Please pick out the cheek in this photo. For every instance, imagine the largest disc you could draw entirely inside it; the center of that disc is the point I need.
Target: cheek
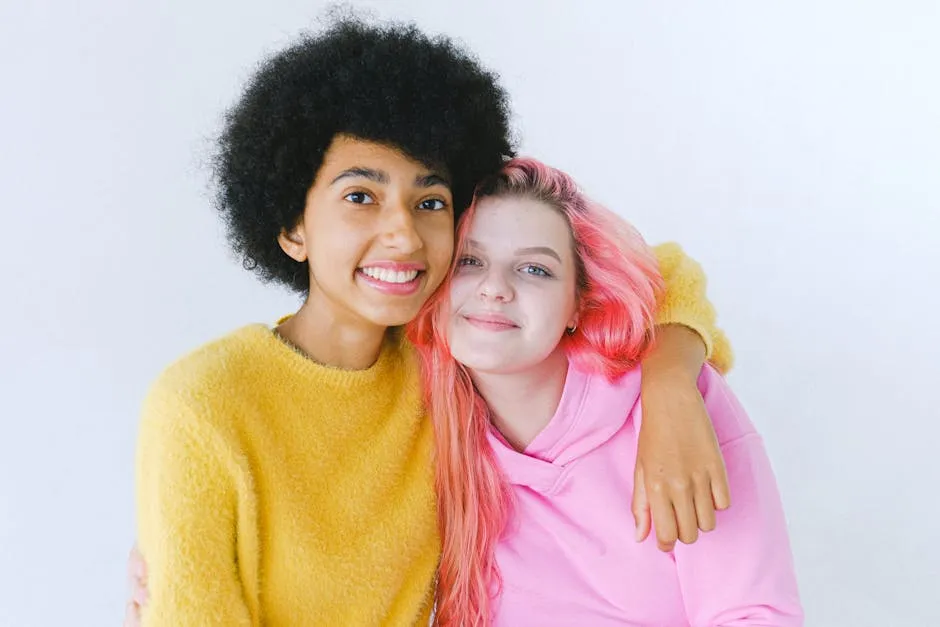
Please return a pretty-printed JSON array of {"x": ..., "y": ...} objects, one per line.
[
  {"x": 333, "y": 241},
  {"x": 439, "y": 251},
  {"x": 437, "y": 234},
  {"x": 332, "y": 260},
  {"x": 461, "y": 289},
  {"x": 550, "y": 309}
]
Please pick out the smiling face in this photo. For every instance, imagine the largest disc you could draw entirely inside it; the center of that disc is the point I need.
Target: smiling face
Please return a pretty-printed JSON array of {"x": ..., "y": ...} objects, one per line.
[
  {"x": 378, "y": 232},
  {"x": 514, "y": 289}
]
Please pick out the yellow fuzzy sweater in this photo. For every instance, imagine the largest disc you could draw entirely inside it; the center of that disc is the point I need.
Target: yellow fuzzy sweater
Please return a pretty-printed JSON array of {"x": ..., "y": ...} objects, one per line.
[{"x": 272, "y": 490}]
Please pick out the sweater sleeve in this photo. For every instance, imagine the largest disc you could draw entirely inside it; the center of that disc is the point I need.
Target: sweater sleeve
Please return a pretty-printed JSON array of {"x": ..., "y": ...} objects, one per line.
[
  {"x": 685, "y": 302},
  {"x": 741, "y": 574},
  {"x": 186, "y": 509}
]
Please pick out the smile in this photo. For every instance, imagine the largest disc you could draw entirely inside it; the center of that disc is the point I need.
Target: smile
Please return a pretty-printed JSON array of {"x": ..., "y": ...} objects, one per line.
[
  {"x": 392, "y": 279},
  {"x": 490, "y": 322},
  {"x": 387, "y": 275}
]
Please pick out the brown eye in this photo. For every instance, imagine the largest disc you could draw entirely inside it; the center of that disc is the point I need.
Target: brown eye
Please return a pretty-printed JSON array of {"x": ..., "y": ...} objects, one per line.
[
  {"x": 359, "y": 198},
  {"x": 432, "y": 204},
  {"x": 467, "y": 260}
]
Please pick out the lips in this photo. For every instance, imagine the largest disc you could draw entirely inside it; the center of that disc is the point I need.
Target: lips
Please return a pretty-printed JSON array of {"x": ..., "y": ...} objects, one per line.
[
  {"x": 491, "y": 321},
  {"x": 392, "y": 278}
]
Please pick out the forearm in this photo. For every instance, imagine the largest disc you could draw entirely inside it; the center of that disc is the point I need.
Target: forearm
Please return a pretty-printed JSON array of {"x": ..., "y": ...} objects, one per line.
[
  {"x": 679, "y": 471},
  {"x": 678, "y": 355}
]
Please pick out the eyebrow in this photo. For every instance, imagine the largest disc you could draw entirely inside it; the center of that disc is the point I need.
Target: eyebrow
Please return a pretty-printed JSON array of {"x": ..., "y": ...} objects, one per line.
[
  {"x": 378, "y": 176},
  {"x": 529, "y": 250},
  {"x": 430, "y": 180},
  {"x": 539, "y": 250}
]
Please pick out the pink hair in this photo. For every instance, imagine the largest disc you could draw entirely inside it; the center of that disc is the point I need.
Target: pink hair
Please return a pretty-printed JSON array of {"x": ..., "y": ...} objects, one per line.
[{"x": 618, "y": 281}]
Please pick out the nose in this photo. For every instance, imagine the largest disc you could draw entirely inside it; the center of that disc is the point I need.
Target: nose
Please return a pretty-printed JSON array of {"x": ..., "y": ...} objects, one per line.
[
  {"x": 398, "y": 228},
  {"x": 494, "y": 287}
]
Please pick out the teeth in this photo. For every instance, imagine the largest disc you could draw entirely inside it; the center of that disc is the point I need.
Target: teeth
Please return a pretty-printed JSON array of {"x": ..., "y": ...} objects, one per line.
[{"x": 391, "y": 276}]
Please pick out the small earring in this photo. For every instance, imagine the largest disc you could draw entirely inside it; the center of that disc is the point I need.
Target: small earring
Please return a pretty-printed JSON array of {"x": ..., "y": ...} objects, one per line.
[{"x": 571, "y": 330}]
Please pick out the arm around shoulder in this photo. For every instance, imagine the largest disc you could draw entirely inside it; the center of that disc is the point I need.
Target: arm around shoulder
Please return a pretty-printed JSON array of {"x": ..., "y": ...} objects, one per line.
[{"x": 685, "y": 302}]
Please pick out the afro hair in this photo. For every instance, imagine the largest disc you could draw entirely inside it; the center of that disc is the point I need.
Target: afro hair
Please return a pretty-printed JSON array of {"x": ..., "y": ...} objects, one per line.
[{"x": 390, "y": 84}]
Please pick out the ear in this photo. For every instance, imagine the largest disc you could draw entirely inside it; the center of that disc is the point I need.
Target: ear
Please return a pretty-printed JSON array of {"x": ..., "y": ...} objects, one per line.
[
  {"x": 574, "y": 320},
  {"x": 292, "y": 242}
]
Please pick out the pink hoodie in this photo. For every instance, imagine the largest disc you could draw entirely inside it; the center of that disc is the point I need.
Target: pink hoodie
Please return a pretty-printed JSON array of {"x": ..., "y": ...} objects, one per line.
[{"x": 569, "y": 557}]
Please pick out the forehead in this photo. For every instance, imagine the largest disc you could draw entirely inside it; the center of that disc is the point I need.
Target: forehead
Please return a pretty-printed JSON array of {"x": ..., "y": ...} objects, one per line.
[
  {"x": 346, "y": 151},
  {"x": 519, "y": 222}
]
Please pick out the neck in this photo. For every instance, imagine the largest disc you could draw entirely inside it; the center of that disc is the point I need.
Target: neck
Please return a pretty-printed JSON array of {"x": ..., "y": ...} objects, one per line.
[
  {"x": 523, "y": 403},
  {"x": 331, "y": 339}
]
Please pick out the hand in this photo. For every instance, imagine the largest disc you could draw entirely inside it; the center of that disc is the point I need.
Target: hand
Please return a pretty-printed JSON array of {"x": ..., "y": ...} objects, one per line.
[
  {"x": 680, "y": 477},
  {"x": 137, "y": 579}
]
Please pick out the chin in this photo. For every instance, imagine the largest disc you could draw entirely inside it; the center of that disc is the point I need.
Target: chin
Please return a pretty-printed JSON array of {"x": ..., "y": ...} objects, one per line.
[
  {"x": 488, "y": 363},
  {"x": 394, "y": 317}
]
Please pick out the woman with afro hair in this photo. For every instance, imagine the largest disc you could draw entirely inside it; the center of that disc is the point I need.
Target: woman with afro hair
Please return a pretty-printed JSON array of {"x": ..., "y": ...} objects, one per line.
[{"x": 284, "y": 474}]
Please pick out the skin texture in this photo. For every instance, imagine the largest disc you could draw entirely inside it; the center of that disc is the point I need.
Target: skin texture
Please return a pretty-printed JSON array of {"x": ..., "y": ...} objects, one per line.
[
  {"x": 680, "y": 472},
  {"x": 390, "y": 84},
  {"x": 513, "y": 296},
  {"x": 519, "y": 266},
  {"x": 369, "y": 207}
]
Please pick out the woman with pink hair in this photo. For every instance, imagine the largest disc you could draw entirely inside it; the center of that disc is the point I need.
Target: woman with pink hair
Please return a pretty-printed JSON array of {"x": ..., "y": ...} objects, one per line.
[{"x": 531, "y": 365}]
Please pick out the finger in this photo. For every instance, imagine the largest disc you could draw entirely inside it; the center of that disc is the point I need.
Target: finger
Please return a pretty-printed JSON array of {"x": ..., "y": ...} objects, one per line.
[
  {"x": 139, "y": 594},
  {"x": 664, "y": 518},
  {"x": 704, "y": 506},
  {"x": 136, "y": 567},
  {"x": 132, "y": 565},
  {"x": 720, "y": 492},
  {"x": 131, "y": 615},
  {"x": 142, "y": 567},
  {"x": 686, "y": 520},
  {"x": 137, "y": 577},
  {"x": 640, "y": 506}
]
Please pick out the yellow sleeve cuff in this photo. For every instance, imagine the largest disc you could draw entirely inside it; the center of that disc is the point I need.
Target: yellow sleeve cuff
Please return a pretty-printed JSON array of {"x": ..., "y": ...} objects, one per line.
[{"x": 685, "y": 302}]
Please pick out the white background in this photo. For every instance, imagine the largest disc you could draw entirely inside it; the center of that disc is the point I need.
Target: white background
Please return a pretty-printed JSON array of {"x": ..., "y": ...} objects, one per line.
[{"x": 792, "y": 147}]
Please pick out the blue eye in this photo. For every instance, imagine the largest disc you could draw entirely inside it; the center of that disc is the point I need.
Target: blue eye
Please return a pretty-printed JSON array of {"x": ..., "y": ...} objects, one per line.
[
  {"x": 536, "y": 271},
  {"x": 433, "y": 204},
  {"x": 359, "y": 198}
]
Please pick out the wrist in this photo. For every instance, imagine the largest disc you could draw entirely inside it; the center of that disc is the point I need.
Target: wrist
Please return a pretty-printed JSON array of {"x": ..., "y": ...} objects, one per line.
[
  {"x": 676, "y": 357},
  {"x": 669, "y": 374}
]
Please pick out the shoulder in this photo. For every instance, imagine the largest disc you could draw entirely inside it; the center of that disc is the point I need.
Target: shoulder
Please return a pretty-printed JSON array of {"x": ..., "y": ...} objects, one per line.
[
  {"x": 199, "y": 384},
  {"x": 614, "y": 400},
  {"x": 214, "y": 360},
  {"x": 406, "y": 358}
]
